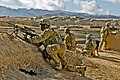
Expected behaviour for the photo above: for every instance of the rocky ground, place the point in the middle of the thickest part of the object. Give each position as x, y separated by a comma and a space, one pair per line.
23, 61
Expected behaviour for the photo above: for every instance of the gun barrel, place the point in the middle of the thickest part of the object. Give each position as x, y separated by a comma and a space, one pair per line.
29, 29
11, 23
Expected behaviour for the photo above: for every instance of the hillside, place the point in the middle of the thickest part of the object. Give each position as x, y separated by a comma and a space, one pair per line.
22, 61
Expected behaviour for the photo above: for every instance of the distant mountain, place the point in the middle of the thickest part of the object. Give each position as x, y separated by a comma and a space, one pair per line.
23, 12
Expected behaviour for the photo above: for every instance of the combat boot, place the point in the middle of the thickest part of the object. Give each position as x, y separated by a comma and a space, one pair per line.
81, 69
58, 66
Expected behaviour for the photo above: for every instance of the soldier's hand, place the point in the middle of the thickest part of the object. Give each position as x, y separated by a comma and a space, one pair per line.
38, 44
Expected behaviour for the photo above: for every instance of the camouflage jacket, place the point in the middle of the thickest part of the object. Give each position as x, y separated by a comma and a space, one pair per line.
70, 41
47, 37
88, 45
105, 31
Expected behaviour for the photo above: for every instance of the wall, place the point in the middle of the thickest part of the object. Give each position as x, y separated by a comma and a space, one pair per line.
113, 42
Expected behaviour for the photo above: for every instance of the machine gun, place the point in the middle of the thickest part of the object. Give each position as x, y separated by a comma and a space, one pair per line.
25, 30
114, 30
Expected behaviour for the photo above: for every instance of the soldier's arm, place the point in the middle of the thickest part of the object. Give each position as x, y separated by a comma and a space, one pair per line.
108, 31
65, 39
74, 40
41, 38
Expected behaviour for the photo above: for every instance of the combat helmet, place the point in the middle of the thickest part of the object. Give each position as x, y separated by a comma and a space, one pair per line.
88, 36
107, 24
67, 30
45, 23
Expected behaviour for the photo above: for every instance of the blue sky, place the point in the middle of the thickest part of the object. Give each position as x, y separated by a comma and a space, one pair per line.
100, 7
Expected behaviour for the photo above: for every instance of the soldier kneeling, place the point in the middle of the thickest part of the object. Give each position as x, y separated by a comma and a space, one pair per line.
51, 41
57, 52
89, 46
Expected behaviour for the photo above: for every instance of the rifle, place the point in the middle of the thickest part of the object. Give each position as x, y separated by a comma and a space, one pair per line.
15, 28
113, 29
27, 31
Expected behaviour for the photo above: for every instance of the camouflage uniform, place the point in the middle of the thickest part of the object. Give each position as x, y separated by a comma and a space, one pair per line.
115, 27
53, 45
103, 34
57, 52
70, 40
114, 23
89, 46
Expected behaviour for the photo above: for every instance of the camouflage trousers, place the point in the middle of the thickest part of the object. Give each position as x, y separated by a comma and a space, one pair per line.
103, 40
88, 52
72, 48
57, 52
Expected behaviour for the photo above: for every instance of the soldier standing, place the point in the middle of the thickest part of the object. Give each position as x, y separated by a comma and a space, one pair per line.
53, 45
103, 34
114, 23
70, 40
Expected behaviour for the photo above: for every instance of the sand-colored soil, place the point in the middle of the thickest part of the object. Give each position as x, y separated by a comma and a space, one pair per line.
16, 54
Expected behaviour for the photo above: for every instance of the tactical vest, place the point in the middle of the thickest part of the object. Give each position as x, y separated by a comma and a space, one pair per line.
53, 38
88, 44
70, 41
70, 38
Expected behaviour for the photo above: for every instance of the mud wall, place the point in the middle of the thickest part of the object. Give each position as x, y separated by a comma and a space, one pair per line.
113, 42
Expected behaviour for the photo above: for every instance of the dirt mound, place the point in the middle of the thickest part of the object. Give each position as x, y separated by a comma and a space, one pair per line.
23, 61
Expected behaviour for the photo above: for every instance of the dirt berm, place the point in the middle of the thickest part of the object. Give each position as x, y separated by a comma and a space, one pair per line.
113, 42
23, 61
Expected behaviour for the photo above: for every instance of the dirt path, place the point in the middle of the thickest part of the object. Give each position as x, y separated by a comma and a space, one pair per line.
105, 67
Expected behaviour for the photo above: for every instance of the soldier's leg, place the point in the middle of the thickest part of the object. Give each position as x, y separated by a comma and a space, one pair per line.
84, 53
53, 53
74, 47
97, 52
101, 43
92, 51
63, 61
89, 53
106, 44
80, 69
61, 54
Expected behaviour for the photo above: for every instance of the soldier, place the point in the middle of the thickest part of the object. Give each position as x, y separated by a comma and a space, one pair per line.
115, 27
70, 40
114, 23
53, 45
89, 46
103, 34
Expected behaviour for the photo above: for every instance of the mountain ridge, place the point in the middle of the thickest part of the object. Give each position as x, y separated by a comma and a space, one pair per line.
23, 12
